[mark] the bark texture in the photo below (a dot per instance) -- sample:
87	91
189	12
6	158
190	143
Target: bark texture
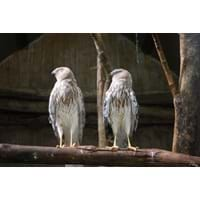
186	94
102	85
92	156
187	102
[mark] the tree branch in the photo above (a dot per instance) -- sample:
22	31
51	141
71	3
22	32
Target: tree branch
103	69
168	73
102	58
92	156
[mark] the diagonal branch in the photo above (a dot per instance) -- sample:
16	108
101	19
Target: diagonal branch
167	71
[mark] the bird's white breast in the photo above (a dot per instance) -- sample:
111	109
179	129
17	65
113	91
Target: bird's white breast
67	110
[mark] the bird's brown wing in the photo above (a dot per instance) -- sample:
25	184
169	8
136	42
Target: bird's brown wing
60	96
107	107
81	112
134	111
53	105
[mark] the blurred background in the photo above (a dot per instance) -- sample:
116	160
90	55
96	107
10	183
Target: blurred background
26	61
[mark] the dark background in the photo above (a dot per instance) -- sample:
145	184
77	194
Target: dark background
23	106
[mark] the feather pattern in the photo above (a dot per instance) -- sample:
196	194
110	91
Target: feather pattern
66	111
120	107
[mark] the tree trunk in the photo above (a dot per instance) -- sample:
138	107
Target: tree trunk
187	102
91	156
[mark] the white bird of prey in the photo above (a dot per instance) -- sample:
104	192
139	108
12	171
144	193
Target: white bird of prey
66	108
121	108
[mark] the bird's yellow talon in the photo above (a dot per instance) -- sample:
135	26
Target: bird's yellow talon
114	148
133	148
74	144
60	146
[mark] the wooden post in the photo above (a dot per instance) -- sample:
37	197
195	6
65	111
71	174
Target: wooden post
187	103
102	85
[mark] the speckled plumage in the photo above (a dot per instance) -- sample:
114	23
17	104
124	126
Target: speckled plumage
121	107
66	108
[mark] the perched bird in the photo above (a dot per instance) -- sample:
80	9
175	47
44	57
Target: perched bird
66	108
121	108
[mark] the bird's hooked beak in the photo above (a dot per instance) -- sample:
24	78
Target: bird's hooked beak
53	72
115	72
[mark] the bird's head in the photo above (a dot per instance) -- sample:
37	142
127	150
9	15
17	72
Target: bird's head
121	75
62	73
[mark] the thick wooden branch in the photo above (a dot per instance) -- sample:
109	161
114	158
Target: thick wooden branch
92	156
102	84
168	73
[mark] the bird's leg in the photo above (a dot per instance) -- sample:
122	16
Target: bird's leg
115	147
74	144
60	142
115	141
71	144
130	146
60	145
